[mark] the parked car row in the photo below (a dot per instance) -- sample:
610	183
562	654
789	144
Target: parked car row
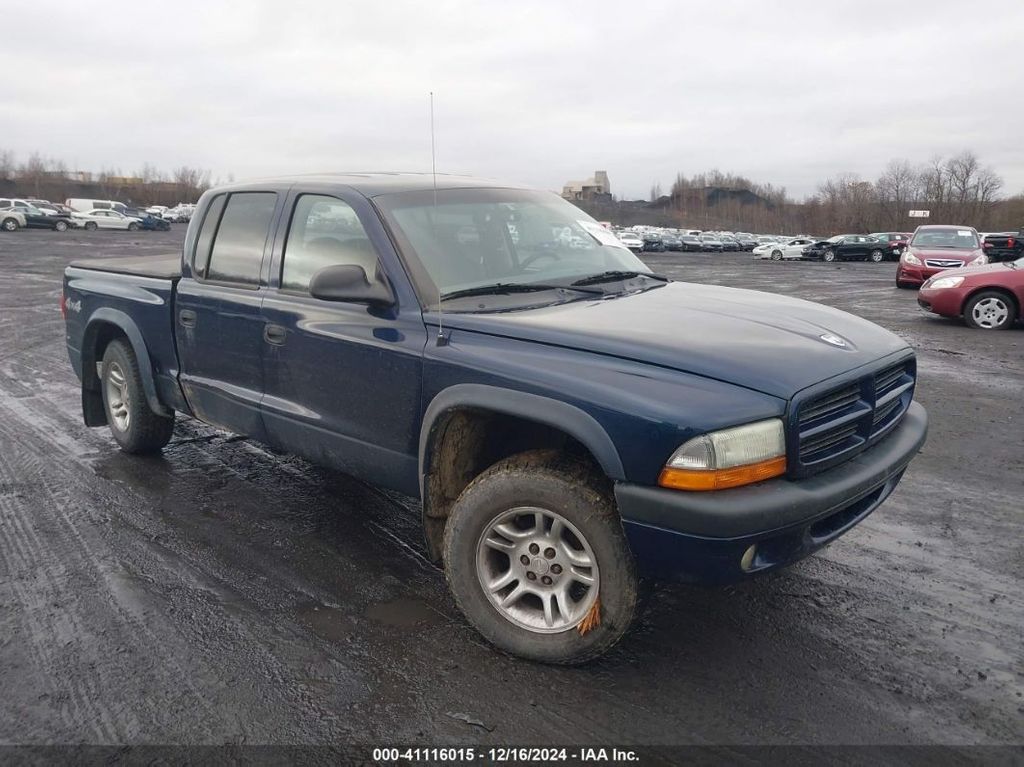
23	213
653	240
960	272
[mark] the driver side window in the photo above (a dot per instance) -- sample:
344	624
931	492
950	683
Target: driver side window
324	231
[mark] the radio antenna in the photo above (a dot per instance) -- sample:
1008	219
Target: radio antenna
441	340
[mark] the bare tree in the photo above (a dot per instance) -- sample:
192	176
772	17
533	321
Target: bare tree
897	189
150	174
32	173
7	164
191	182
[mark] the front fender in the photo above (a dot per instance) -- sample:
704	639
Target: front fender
90	379
560	415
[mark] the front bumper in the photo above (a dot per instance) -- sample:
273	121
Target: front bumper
703	536
917	275
946	301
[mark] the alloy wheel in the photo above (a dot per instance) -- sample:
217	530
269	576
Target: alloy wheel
117	397
537	569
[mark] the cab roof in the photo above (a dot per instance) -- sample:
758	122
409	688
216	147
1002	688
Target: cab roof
376	183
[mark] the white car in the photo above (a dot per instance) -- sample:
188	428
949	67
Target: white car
26	205
12	219
106	219
777	251
631	240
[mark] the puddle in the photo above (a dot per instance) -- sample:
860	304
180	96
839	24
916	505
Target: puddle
329	622
403	613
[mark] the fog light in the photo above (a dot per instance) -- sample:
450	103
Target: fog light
747	560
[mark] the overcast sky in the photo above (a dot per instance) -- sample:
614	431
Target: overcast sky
535	92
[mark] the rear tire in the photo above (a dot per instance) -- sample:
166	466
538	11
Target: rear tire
135	427
990	310
90	226
10	224
502	530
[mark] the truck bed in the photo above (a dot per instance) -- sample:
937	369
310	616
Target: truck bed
162	267
137	295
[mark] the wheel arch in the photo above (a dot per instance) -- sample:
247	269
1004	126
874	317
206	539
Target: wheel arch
454	437
104	326
1014	299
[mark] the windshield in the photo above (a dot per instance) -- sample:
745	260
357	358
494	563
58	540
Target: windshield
964	239
476	237
837	238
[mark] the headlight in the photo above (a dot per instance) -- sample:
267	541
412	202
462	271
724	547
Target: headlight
979	261
945	282
728	458
910	258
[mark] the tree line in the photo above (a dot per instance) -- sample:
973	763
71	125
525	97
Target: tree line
955	190
50	178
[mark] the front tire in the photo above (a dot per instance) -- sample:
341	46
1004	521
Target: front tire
534	548
133	227
9	224
828	256
776	255
990	310
876	256
61	226
135	427
90	226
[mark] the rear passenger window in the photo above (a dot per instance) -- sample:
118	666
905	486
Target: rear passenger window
324	232
237	252
205	239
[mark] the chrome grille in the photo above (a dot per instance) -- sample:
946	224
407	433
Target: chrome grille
834	425
942	263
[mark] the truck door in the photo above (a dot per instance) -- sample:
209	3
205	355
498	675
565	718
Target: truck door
341	380
218	326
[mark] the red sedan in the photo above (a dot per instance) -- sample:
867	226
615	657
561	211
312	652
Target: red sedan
934	248
987	297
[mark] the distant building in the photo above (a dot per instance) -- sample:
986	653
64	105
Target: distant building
598	187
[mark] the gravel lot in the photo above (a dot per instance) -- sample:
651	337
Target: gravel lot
226	594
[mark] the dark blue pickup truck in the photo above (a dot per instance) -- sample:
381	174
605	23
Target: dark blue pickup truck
569	419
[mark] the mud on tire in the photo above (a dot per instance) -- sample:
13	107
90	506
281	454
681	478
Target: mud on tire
571	491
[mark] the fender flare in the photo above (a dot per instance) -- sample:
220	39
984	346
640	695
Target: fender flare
561	415
126	324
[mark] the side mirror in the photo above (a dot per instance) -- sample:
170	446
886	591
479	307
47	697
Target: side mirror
348	282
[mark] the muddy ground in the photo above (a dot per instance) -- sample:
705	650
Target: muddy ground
222	593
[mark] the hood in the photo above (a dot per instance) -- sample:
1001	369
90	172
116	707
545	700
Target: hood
757	340
964	256
971	271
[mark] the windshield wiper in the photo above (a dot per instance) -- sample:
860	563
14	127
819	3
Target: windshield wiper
502	288
609	276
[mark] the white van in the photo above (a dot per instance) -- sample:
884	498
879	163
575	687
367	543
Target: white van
84	206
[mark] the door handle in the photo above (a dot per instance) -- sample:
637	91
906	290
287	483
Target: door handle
274	334
187	317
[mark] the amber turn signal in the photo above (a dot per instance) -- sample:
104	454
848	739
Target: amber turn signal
721	479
